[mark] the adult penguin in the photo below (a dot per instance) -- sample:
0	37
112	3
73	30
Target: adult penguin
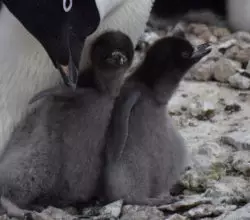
38	37
236	12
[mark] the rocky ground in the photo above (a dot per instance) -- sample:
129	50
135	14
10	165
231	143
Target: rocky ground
212	111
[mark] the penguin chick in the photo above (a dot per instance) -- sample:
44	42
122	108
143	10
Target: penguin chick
54	156
148	157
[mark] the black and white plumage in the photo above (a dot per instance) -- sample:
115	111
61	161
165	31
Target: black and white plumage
55	155
146	155
26	67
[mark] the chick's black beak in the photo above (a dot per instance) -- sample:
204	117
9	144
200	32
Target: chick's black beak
201	51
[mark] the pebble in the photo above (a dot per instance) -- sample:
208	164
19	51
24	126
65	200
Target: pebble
220	32
203	71
238	81
209	210
202	110
186	203
227	190
232	52
242	36
238	139
112	210
141	213
240	214
176	217
224	68
241	162
232	108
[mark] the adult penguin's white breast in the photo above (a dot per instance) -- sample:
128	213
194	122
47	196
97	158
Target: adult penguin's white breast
130	18
238	12
25	69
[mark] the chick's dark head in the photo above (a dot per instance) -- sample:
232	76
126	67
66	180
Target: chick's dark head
170	56
112	51
175	53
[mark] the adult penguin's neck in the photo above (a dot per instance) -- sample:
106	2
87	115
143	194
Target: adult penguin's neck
25	69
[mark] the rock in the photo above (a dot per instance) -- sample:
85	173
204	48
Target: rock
176	217
112	210
224	45
242	36
219	169
198	29
232	108
194	180
71	210
208	210
232	52
202	31
208	157
241	162
241	55
224	68
141	213
202	110
228	190
186	203
220	32
203	16
203	71
240	214
239	82
89	212
244	97
214	55
52	213
195	41
239	140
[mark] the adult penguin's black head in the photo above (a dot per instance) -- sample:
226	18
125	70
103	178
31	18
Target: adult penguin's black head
61	26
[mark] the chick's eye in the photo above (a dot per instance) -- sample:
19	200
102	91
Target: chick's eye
185	54
67	5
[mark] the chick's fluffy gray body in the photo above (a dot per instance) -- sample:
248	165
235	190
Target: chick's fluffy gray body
153	156
145	162
65	164
54	157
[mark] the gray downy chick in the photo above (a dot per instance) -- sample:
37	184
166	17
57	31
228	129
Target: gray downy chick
145	153
55	155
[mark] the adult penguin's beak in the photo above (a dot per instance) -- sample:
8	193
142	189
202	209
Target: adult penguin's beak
69	73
